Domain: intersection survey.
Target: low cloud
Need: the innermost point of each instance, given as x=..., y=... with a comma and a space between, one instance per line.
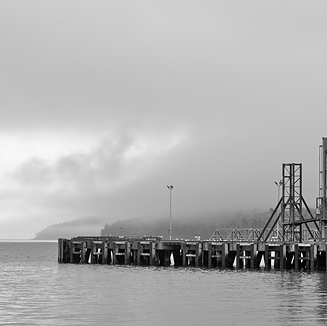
x=85, y=183
x=101, y=111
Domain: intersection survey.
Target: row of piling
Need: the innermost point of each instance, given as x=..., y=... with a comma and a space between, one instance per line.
x=210, y=254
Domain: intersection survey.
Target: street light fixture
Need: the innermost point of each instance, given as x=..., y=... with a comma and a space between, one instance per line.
x=170, y=189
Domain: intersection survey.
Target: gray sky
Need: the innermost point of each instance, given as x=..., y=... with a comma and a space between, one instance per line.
x=104, y=103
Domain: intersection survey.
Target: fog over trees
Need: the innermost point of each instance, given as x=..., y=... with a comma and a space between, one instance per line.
x=182, y=228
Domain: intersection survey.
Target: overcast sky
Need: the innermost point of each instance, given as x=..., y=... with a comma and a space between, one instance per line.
x=104, y=103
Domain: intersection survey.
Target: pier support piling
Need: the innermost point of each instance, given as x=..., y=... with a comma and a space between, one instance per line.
x=210, y=254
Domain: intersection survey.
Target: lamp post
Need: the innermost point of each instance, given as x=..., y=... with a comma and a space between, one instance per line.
x=278, y=184
x=170, y=190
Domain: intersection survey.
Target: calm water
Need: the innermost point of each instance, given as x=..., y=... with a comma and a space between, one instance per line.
x=36, y=290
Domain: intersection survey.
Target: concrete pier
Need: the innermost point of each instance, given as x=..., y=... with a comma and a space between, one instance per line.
x=145, y=251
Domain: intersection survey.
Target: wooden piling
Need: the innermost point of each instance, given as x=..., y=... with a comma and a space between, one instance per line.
x=209, y=255
x=224, y=253
x=238, y=265
x=198, y=252
x=71, y=250
x=127, y=253
x=104, y=252
x=282, y=261
x=60, y=250
x=183, y=247
x=306, y=256
x=92, y=256
x=83, y=251
x=136, y=247
x=114, y=249
x=110, y=252
x=253, y=255
x=313, y=256
x=296, y=256
x=267, y=257
x=152, y=253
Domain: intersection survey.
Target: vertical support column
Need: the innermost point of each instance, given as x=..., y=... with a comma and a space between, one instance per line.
x=278, y=255
x=183, y=246
x=204, y=246
x=133, y=252
x=224, y=251
x=282, y=257
x=83, y=250
x=71, y=249
x=313, y=256
x=151, y=258
x=209, y=255
x=137, y=252
x=156, y=254
x=93, y=246
x=307, y=258
x=114, y=251
x=110, y=252
x=253, y=255
x=127, y=253
x=197, y=254
x=237, y=256
x=104, y=252
x=267, y=258
x=296, y=256
x=60, y=250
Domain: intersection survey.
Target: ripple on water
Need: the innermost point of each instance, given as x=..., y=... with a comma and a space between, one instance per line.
x=36, y=290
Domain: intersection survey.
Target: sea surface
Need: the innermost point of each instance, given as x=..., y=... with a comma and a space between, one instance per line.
x=36, y=290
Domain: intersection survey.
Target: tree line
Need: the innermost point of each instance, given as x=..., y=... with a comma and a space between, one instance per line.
x=184, y=228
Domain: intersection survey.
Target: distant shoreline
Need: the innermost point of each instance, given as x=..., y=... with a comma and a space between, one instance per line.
x=26, y=240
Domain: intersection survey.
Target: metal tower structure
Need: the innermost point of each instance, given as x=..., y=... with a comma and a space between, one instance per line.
x=321, y=202
x=290, y=208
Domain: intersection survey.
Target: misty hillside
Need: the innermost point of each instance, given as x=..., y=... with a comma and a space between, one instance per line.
x=185, y=228
x=85, y=226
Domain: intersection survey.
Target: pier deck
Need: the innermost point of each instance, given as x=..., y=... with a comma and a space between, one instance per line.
x=210, y=254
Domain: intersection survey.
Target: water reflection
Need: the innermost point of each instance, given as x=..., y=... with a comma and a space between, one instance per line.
x=298, y=298
x=321, y=292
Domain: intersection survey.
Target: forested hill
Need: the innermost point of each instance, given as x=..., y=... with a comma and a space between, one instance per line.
x=186, y=228
x=70, y=229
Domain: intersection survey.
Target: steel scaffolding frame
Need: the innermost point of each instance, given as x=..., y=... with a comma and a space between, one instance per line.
x=291, y=202
x=321, y=202
x=291, y=209
x=229, y=234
